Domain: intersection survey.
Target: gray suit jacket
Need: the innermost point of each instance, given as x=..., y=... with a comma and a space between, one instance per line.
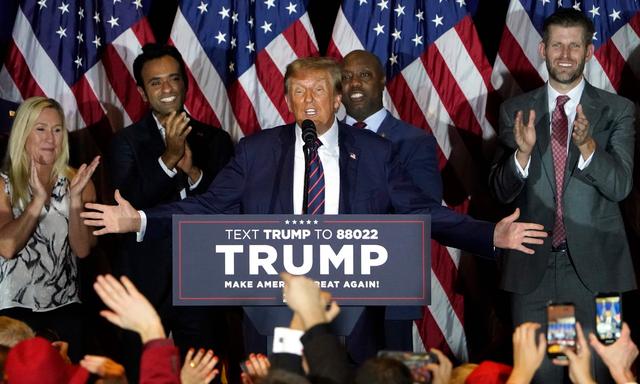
x=595, y=231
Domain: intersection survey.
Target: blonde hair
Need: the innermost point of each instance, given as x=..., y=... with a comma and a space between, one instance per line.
x=315, y=63
x=13, y=331
x=17, y=163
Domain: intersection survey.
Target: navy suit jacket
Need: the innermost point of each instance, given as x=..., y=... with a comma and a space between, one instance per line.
x=136, y=172
x=259, y=180
x=416, y=150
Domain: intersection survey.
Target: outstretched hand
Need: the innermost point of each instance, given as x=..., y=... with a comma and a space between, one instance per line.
x=510, y=234
x=121, y=218
x=129, y=309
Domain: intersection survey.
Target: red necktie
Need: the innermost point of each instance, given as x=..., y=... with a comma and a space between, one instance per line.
x=559, y=135
x=315, y=194
x=359, y=124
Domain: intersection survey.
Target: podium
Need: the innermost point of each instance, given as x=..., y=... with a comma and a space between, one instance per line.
x=363, y=260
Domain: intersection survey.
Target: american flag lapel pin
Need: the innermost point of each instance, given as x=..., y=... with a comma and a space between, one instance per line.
x=352, y=156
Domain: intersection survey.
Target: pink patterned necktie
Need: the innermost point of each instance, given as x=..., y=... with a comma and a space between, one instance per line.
x=559, y=135
x=316, y=186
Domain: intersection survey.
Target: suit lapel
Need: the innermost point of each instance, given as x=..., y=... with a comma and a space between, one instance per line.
x=349, y=157
x=386, y=128
x=284, y=157
x=543, y=137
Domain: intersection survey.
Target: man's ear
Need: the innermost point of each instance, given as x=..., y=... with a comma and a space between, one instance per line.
x=590, y=50
x=142, y=93
x=288, y=101
x=541, y=50
x=336, y=102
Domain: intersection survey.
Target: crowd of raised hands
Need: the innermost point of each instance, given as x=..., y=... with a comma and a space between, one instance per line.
x=322, y=358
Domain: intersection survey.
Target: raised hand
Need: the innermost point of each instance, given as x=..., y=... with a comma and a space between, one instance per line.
x=619, y=356
x=257, y=367
x=199, y=367
x=525, y=136
x=105, y=368
x=305, y=298
x=82, y=177
x=579, y=362
x=527, y=354
x=510, y=234
x=129, y=309
x=580, y=134
x=38, y=191
x=177, y=128
x=121, y=218
x=442, y=370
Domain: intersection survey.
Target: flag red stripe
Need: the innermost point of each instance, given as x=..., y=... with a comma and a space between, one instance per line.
x=197, y=103
x=272, y=81
x=243, y=109
x=612, y=62
x=143, y=31
x=431, y=333
x=19, y=71
x=122, y=83
x=299, y=39
x=444, y=267
x=88, y=104
x=514, y=58
x=450, y=93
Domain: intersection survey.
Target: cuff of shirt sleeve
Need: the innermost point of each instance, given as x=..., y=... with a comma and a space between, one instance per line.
x=195, y=183
x=169, y=172
x=523, y=172
x=287, y=340
x=582, y=164
x=143, y=227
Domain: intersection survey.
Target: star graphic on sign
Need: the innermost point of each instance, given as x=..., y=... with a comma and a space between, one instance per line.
x=81, y=13
x=383, y=4
x=80, y=37
x=286, y=222
x=137, y=3
x=396, y=34
x=308, y=221
x=221, y=37
x=266, y=27
x=595, y=11
x=96, y=42
x=315, y=221
x=399, y=10
x=362, y=2
x=250, y=46
x=379, y=29
x=64, y=8
x=576, y=5
x=234, y=17
x=417, y=40
x=224, y=12
x=233, y=42
x=113, y=21
x=301, y=222
x=96, y=17
x=62, y=32
x=203, y=7
x=393, y=59
x=292, y=8
x=461, y=3
x=420, y=15
x=78, y=61
x=42, y=4
x=294, y=222
x=232, y=67
x=270, y=3
x=438, y=20
x=615, y=15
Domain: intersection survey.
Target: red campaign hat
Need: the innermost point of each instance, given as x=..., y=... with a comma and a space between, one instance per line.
x=35, y=360
x=489, y=372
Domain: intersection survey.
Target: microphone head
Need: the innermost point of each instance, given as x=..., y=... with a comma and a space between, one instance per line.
x=309, y=134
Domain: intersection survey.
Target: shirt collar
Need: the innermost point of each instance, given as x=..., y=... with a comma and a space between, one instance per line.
x=574, y=94
x=329, y=139
x=373, y=122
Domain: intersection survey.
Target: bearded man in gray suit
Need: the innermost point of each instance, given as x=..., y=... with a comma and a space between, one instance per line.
x=566, y=160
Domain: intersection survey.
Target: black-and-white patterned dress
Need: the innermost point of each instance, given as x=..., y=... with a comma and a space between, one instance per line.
x=44, y=274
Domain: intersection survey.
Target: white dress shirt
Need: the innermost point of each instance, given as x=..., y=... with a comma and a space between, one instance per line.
x=373, y=122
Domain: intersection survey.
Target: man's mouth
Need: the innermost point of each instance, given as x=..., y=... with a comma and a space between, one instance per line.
x=310, y=112
x=168, y=99
x=356, y=96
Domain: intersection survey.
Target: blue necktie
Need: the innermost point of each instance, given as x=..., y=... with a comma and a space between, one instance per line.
x=315, y=203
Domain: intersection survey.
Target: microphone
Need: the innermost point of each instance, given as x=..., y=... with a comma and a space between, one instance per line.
x=309, y=134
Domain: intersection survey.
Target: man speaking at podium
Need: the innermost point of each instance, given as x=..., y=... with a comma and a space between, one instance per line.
x=355, y=173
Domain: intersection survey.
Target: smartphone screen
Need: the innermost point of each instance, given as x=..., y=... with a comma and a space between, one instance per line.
x=416, y=362
x=561, y=329
x=608, y=317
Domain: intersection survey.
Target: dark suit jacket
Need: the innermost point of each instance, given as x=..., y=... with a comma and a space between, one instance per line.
x=595, y=232
x=135, y=171
x=259, y=180
x=416, y=150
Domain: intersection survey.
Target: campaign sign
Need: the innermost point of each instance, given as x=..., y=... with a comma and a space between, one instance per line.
x=360, y=259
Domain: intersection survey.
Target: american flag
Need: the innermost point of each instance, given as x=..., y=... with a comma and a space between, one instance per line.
x=81, y=54
x=615, y=66
x=237, y=53
x=438, y=78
